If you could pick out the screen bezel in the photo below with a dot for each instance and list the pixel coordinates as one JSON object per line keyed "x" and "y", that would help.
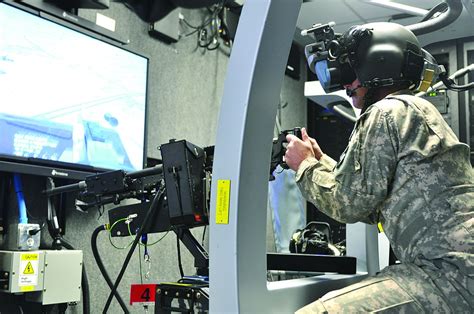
{"x": 50, "y": 168}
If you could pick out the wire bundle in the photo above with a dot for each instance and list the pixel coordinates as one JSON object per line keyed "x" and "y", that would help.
{"x": 211, "y": 29}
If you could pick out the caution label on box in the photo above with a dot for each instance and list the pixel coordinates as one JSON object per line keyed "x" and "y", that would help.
{"x": 28, "y": 272}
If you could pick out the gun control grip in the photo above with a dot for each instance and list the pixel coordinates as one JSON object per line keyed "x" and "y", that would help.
{"x": 297, "y": 132}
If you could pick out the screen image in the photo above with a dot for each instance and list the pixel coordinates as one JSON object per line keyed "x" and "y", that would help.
{"x": 69, "y": 97}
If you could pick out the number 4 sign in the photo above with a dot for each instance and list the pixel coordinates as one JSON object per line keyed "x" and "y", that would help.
{"x": 142, "y": 294}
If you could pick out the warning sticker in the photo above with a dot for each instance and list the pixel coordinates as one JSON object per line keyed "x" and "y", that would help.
{"x": 223, "y": 200}
{"x": 29, "y": 269}
{"x": 28, "y": 272}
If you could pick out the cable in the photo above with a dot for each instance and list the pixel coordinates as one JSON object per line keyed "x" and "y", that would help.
{"x": 455, "y": 8}
{"x": 140, "y": 264}
{"x": 178, "y": 189}
{"x": 180, "y": 264}
{"x": 451, "y": 84}
{"x": 455, "y": 75}
{"x": 153, "y": 243}
{"x": 189, "y": 25}
{"x": 144, "y": 226}
{"x": 439, "y": 8}
{"x": 203, "y": 235}
{"x": 59, "y": 241}
{"x": 110, "y": 235}
{"x": 215, "y": 23}
{"x": 102, "y": 269}
{"x": 86, "y": 304}
{"x": 17, "y": 183}
{"x": 130, "y": 234}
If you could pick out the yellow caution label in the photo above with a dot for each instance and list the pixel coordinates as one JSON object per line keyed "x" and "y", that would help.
{"x": 29, "y": 270}
{"x": 27, "y": 288}
{"x": 29, "y": 257}
{"x": 223, "y": 201}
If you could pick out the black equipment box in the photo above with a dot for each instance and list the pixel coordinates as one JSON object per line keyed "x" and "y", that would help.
{"x": 160, "y": 220}
{"x": 181, "y": 297}
{"x": 183, "y": 170}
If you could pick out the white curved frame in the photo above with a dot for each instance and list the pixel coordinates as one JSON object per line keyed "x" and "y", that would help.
{"x": 238, "y": 281}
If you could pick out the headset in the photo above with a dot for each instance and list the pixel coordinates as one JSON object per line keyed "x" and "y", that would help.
{"x": 378, "y": 54}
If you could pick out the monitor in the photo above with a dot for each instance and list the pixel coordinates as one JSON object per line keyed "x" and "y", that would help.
{"x": 71, "y": 102}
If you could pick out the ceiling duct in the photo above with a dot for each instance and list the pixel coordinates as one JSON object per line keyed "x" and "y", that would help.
{"x": 454, "y": 11}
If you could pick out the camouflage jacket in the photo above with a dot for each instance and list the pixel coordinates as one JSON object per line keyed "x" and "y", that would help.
{"x": 403, "y": 167}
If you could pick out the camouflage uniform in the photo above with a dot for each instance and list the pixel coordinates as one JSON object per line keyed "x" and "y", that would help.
{"x": 405, "y": 168}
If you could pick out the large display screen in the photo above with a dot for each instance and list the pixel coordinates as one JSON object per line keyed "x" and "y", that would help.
{"x": 68, "y": 97}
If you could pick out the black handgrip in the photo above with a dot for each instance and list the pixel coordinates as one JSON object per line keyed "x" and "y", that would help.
{"x": 279, "y": 150}
{"x": 296, "y": 132}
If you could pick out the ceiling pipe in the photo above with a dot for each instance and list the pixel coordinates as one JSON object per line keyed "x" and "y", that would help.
{"x": 455, "y": 8}
{"x": 454, "y": 11}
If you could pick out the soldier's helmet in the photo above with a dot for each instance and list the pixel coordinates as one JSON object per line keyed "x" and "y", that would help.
{"x": 381, "y": 54}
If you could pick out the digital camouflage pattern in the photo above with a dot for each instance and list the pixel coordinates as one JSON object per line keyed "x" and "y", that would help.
{"x": 403, "y": 167}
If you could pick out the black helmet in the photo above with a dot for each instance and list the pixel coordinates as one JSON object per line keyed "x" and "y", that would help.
{"x": 381, "y": 54}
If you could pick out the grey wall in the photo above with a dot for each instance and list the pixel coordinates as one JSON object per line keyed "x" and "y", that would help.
{"x": 185, "y": 88}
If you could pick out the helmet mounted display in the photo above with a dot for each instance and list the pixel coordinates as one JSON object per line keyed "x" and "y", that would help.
{"x": 378, "y": 54}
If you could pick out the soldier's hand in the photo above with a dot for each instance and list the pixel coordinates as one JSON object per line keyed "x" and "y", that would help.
{"x": 298, "y": 150}
{"x": 318, "y": 153}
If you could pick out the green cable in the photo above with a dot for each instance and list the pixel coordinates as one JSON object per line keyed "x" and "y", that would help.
{"x": 159, "y": 239}
{"x": 110, "y": 235}
{"x": 130, "y": 233}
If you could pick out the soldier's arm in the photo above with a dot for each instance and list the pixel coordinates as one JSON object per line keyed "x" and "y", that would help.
{"x": 350, "y": 190}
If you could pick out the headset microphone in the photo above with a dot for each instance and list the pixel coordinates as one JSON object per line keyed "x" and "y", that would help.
{"x": 352, "y": 91}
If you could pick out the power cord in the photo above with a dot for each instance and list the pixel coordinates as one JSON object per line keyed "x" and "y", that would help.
{"x": 203, "y": 235}
{"x": 146, "y": 223}
{"x": 180, "y": 264}
{"x": 102, "y": 269}
{"x": 59, "y": 242}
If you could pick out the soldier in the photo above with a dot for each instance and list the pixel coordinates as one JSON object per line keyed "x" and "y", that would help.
{"x": 403, "y": 167}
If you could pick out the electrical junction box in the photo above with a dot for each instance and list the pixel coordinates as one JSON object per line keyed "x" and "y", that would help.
{"x": 23, "y": 237}
{"x": 21, "y": 271}
{"x": 27, "y": 241}
{"x": 47, "y": 277}
{"x": 167, "y": 28}
{"x": 62, "y": 278}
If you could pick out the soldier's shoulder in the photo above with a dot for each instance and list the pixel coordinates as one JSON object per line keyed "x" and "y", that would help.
{"x": 391, "y": 105}
{"x": 403, "y": 107}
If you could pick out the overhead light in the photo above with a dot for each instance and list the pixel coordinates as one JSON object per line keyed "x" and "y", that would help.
{"x": 398, "y": 6}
